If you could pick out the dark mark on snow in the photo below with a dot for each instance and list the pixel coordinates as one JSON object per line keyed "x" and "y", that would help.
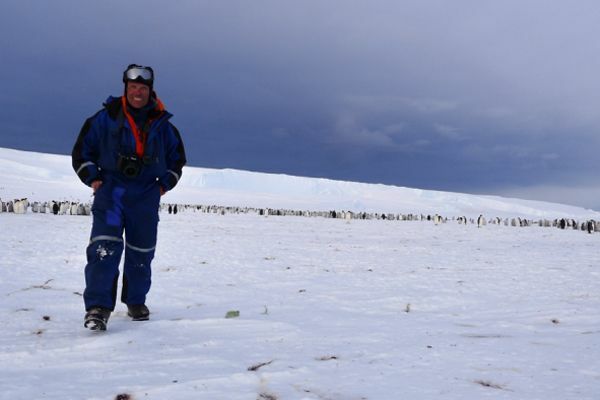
{"x": 589, "y": 332}
{"x": 489, "y": 384}
{"x": 327, "y": 358}
{"x": 43, "y": 286}
{"x": 485, "y": 336}
{"x": 266, "y": 396}
{"x": 257, "y": 366}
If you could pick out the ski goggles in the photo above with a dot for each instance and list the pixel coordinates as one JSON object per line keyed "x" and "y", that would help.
{"x": 139, "y": 72}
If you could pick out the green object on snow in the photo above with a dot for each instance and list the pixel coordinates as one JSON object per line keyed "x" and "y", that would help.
{"x": 232, "y": 314}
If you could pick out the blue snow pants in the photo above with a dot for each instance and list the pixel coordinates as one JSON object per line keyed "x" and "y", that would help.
{"x": 121, "y": 207}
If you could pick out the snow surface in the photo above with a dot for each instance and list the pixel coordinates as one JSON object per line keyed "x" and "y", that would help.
{"x": 328, "y": 309}
{"x": 340, "y": 310}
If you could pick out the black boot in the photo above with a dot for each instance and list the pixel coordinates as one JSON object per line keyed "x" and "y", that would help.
{"x": 138, "y": 312}
{"x": 96, "y": 318}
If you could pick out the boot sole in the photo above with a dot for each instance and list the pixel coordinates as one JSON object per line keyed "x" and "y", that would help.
{"x": 142, "y": 318}
{"x": 95, "y": 324}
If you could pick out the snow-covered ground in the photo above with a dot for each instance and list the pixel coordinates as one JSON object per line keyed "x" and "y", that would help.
{"x": 328, "y": 309}
{"x": 340, "y": 310}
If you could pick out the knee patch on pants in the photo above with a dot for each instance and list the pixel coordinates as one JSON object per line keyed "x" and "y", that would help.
{"x": 102, "y": 247}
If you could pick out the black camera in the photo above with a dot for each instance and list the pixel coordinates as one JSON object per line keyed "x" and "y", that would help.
{"x": 130, "y": 166}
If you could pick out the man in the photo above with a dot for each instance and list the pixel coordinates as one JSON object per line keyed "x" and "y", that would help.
{"x": 130, "y": 155}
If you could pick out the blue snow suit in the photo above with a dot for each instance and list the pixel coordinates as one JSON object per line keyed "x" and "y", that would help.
{"x": 122, "y": 203}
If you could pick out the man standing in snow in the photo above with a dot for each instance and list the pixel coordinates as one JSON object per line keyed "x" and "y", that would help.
{"x": 130, "y": 155}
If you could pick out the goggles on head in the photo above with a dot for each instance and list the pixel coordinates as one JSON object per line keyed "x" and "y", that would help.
{"x": 139, "y": 73}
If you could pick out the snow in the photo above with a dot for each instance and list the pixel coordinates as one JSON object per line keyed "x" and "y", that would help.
{"x": 328, "y": 308}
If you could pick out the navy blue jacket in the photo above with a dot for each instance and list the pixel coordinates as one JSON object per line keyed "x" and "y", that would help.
{"x": 107, "y": 134}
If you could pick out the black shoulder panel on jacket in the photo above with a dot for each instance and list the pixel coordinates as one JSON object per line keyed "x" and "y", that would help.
{"x": 180, "y": 148}
{"x": 77, "y": 153}
{"x": 113, "y": 108}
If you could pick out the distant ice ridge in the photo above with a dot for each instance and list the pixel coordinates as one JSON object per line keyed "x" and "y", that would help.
{"x": 372, "y": 197}
{"x": 44, "y": 177}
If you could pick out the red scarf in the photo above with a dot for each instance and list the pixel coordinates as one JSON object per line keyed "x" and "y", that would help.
{"x": 140, "y": 137}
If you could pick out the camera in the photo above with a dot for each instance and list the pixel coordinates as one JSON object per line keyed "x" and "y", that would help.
{"x": 130, "y": 166}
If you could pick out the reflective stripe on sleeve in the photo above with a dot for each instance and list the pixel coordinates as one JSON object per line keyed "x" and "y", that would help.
{"x": 85, "y": 164}
{"x": 174, "y": 174}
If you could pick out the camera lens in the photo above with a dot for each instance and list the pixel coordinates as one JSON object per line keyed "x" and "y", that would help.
{"x": 129, "y": 166}
{"x": 129, "y": 171}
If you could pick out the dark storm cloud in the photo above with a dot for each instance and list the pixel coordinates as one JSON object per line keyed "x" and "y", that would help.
{"x": 477, "y": 96}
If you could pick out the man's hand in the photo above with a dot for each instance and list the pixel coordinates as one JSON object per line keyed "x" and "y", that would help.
{"x": 96, "y": 185}
{"x": 162, "y": 191}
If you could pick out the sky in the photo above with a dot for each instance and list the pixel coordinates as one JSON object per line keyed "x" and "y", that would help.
{"x": 477, "y": 96}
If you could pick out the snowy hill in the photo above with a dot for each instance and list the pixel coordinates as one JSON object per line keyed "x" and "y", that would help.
{"x": 45, "y": 177}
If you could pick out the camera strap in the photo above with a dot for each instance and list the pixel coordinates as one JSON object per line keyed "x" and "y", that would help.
{"x": 120, "y": 123}
{"x": 139, "y": 137}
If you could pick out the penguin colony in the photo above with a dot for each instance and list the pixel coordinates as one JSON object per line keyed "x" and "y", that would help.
{"x": 21, "y": 206}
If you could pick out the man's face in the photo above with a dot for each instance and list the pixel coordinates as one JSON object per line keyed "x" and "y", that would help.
{"x": 138, "y": 94}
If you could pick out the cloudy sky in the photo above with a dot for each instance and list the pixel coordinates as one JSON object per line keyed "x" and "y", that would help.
{"x": 477, "y": 96}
